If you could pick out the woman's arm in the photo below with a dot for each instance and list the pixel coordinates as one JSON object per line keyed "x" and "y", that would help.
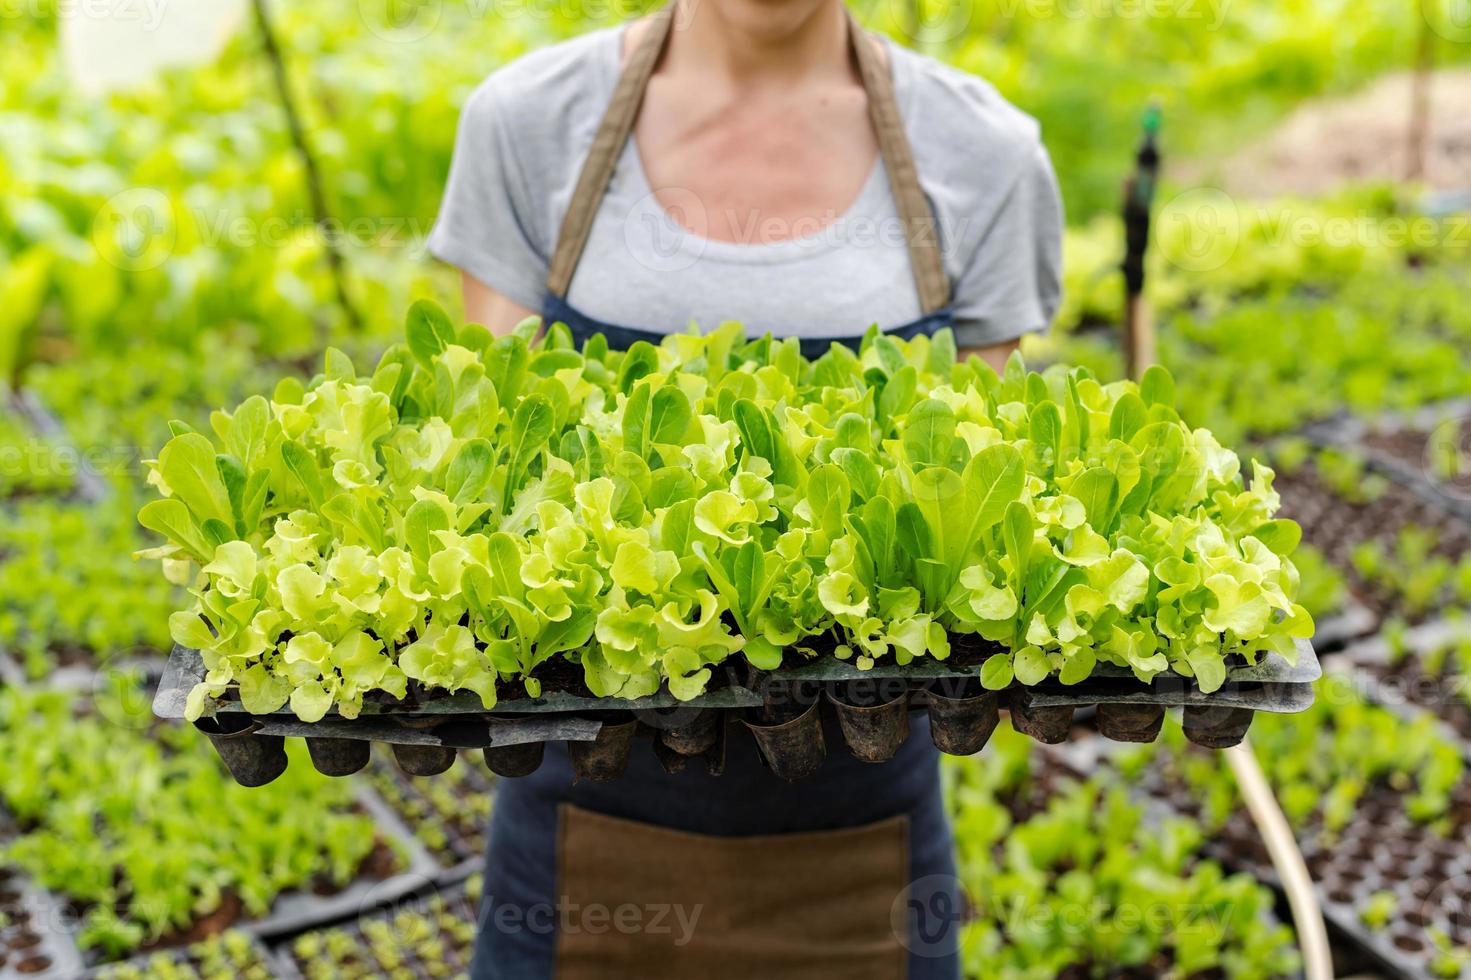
{"x": 489, "y": 308}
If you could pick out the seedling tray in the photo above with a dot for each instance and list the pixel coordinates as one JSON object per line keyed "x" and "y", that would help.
{"x": 249, "y": 959}
{"x": 448, "y": 815}
{"x": 295, "y": 911}
{"x": 781, "y": 708}
{"x": 1379, "y": 850}
{"x": 35, "y": 940}
{"x": 445, "y": 919}
{"x": 1400, "y": 445}
{"x": 1406, "y": 686}
{"x": 1336, "y": 526}
{"x": 1052, "y": 769}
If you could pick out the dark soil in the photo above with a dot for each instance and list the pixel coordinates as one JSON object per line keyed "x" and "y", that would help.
{"x": 230, "y": 912}
{"x": 1442, "y": 695}
{"x": 20, "y": 941}
{"x": 1379, "y": 849}
{"x": 1336, "y": 526}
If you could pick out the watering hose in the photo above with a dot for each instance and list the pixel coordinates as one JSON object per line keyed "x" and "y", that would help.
{"x": 1307, "y": 917}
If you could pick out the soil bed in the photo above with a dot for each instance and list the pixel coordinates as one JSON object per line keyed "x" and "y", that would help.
{"x": 1335, "y": 526}
{"x": 1380, "y": 849}
{"x": 449, "y": 814}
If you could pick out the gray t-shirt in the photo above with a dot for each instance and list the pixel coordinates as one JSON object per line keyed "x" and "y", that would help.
{"x": 525, "y": 132}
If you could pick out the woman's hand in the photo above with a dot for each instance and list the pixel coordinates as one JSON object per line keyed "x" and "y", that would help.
{"x": 489, "y": 308}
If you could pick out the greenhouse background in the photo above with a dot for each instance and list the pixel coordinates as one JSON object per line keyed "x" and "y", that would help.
{"x": 197, "y": 199}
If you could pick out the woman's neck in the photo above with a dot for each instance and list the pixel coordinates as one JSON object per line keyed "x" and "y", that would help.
{"x": 755, "y": 42}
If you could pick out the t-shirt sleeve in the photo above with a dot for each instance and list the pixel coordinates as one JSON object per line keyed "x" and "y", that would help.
{"x": 485, "y": 224}
{"x": 1012, "y": 282}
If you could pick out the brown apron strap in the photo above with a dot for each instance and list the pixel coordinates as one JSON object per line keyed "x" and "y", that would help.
{"x": 607, "y": 146}
{"x": 925, "y": 259}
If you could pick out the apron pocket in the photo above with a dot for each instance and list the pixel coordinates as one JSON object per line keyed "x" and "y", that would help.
{"x": 647, "y": 902}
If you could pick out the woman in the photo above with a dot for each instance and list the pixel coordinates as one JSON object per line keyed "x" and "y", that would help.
{"x": 765, "y": 161}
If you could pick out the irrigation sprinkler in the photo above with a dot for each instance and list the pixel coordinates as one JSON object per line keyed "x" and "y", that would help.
{"x": 1139, "y": 188}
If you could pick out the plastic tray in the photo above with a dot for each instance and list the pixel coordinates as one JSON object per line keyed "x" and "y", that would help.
{"x": 782, "y": 709}
{"x": 1353, "y": 432}
{"x": 36, "y": 940}
{"x": 1380, "y": 850}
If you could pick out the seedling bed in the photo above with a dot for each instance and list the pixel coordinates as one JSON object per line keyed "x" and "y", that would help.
{"x": 448, "y": 815}
{"x": 429, "y": 936}
{"x": 781, "y": 708}
{"x": 1380, "y": 850}
{"x": 1335, "y": 526}
{"x": 35, "y": 939}
{"x": 233, "y": 954}
{"x": 379, "y": 883}
{"x": 1428, "y": 450}
{"x": 88, "y": 486}
{"x": 398, "y": 865}
{"x": 1406, "y": 683}
{"x": 1053, "y": 771}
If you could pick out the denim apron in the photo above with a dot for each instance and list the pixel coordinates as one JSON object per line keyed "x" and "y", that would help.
{"x": 849, "y": 872}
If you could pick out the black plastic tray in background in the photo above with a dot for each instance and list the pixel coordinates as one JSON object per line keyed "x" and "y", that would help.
{"x": 1350, "y": 432}
{"x": 42, "y": 924}
{"x": 1380, "y": 849}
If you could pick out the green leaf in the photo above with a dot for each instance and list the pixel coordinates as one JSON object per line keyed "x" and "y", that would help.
{"x": 187, "y": 464}
{"x": 929, "y": 433}
{"x": 996, "y": 672}
{"x": 428, "y": 330}
{"x": 469, "y": 473}
{"x": 301, "y": 463}
{"x": 1031, "y": 666}
{"x": 1157, "y": 387}
{"x": 828, "y": 495}
{"x": 755, "y": 428}
{"x": 1128, "y": 417}
{"x": 1017, "y": 531}
{"x": 1098, "y": 490}
{"x": 422, "y": 520}
{"x": 172, "y": 519}
{"x": 531, "y": 429}
{"x": 1282, "y": 536}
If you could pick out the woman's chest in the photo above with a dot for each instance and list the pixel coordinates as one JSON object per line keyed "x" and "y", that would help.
{"x": 756, "y": 171}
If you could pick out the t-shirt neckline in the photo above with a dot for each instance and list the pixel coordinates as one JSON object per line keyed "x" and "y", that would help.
{"x": 872, "y": 200}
